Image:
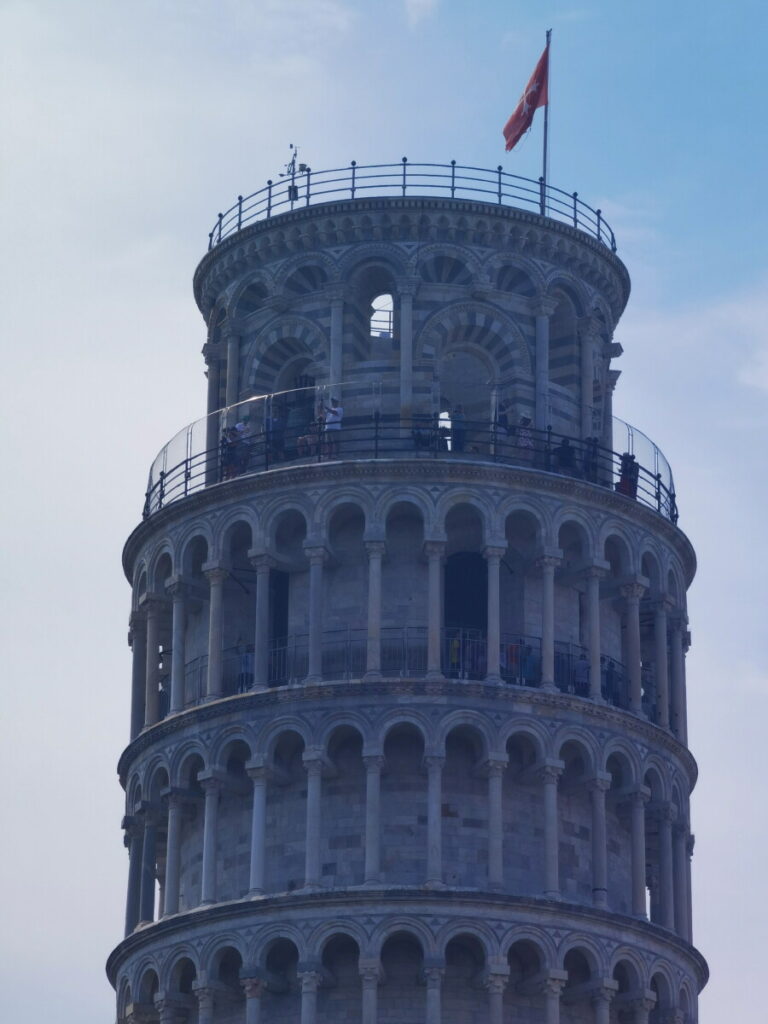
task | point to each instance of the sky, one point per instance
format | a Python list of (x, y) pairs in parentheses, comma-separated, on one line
[(124, 129)]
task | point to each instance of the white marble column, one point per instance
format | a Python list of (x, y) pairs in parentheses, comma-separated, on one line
[(233, 358), (205, 1003), (493, 556), (594, 576), (257, 771), (317, 556), (598, 787), (313, 764), (660, 654), (549, 775), (148, 865), (373, 765), (601, 1001), (370, 975), (680, 855), (406, 292), (211, 787), (177, 590), (215, 682), (263, 565), (665, 817), (553, 986), (495, 985), (137, 638), (632, 592), (547, 565), (642, 1008), (690, 841), (678, 680), (173, 853), (212, 354), (152, 675), (434, 820), (434, 551), (375, 550), (134, 841), (588, 345), (335, 368), (434, 979), (496, 768), (310, 982), (253, 989), (638, 799), (545, 308)]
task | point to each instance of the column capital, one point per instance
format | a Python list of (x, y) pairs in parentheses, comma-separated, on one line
[(253, 987), (663, 603), (691, 842), (432, 761), (433, 975), (316, 553), (374, 762), (588, 325), (210, 781), (553, 982), (176, 587), (310, 979), (375, 547), (407, 285), (632, 591), (213, 353), (313, 759), (496, 766), (205, 995), (153, 602), (640, 794), (261, 561), (550, 770), (370, 972), (215, 573), (548, 560), (494, 551), (543, 305), (646, 1000), (335, 292), (137, 621), (600, 782), (256, 766), (434, 548), (663, 811), (596, 570)]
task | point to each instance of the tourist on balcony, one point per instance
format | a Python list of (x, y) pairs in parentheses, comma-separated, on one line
[(458, 429), (581, 676), (333, 417), (564, 458)]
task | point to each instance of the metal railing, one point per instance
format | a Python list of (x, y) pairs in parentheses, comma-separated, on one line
[(463, 656), (241, 450), (306, 187)]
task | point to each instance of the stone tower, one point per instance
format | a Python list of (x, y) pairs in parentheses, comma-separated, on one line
[(408, 722)]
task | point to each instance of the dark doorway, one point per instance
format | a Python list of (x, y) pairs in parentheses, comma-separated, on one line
[(466, 592), (278, 602)]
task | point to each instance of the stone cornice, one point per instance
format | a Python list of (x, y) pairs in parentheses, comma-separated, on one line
[(426, 471), (507, 698), (225, 262), (414, 901)]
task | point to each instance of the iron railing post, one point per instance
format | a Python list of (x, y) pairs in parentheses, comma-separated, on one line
[(542, 197), (309, 172), (599, 225), (575, 209), (210, 240), (498, 173), (161, 490), (405, 164), (453, 179), (269, 198), (376, 418), (221, 218), (239, 212), (353, 165)]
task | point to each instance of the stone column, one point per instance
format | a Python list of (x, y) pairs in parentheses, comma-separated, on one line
[(601, 1001), (373, 765), (177, 591), (495, 823), (493, 556), (211, 787), (258, 773), (434, 821), (665, 817), (215, 682), (495, 984), (593, 617), (212, 355), (688, 898), (375, 551), (662, 678), (434, 979), (262, 564), (169, 1010), (205, 1003), (434, 551), (316, 555), (233, 358), (549, 774), (639, 798), (553, 986), (335, 369), (313, 763), (137, 638), (148, 862), (587, 344), (598, 787), (547, 565), (370, 975), (406, 292), (678, 680), (642, 1008), (310, 982), (253, 989), (152, 676), (543, 312), (632, 592), (680, 852), (134, 841), (173, 851)]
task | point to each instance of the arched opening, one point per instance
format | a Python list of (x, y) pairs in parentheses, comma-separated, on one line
[(465, 809), (465, 595), (229, 997), (404, 593), (575, 824), (341, 830), (235, 806), (576, 997), (402, 996), (285, 838), (466, 400), (281, 1000), (522, 998), (619, 830), (403, 818), (463, 981), (523, 818), (339, 997), (191, 833), (381, 322)]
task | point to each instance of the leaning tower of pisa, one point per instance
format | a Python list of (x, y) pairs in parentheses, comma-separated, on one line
[(408, 630)]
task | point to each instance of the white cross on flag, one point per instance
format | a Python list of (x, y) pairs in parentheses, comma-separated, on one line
[(534, 96)]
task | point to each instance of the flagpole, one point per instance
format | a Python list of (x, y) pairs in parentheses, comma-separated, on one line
[(545, 157)]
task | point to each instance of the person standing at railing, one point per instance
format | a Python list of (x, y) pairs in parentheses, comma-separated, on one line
[(458, 429), (564, 461), (581, 676), (334, 414)]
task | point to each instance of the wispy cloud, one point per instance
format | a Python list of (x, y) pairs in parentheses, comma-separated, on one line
[(419, 10)]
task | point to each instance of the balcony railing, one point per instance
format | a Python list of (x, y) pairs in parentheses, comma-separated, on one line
[(404, 655), (199, 457), (305, 187)]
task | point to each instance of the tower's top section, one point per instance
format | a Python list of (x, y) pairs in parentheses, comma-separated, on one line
[(302, 186)]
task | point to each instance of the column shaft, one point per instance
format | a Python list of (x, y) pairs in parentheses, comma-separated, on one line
[(434, 990), (495, 825), (261, 638), (151, 698), (434, 821), (373, 766), (548, 623), (593, 615), (542, 371), (680, 850), (662, 678), (309, 983), (253, 988), (210, 834), (599, 844), (587, 388), (314, 769), (678, 683), (552, 1002), (138, 672), (375, 551), (638, 855), (406, 354), (370, 996), (135, 842), (434, 610), (148, 861), (632, 594), (178, 657), (315, 668), (493, 559), (173, 851), (258, 831), (551, 834), (214, 682), (666, 873), (233, 353), (336, 340)]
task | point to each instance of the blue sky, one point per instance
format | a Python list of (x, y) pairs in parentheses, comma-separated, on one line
[(125, 129)]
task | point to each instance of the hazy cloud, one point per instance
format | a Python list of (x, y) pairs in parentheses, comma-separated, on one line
[(419, 10)]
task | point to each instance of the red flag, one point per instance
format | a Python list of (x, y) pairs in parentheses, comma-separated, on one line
[(534, 96)]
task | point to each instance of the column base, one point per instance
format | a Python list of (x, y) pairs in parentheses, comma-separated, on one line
[(255, 894), (435, 676), (312, 680), (549, 687), (551, 894), (373, 676), (435, 884), (600, 898), (372, 883), (493, 680)]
